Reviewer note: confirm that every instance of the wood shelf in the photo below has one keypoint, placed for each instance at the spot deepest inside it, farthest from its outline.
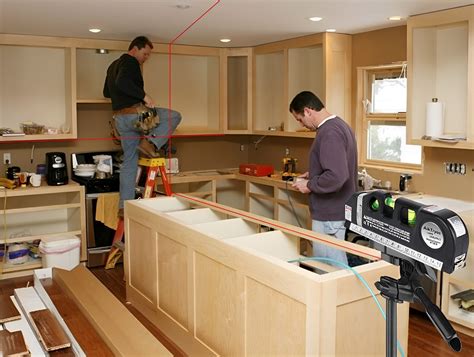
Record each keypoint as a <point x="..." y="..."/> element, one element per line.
<point x="30" y="264"/>
<point x="40" y="208"/>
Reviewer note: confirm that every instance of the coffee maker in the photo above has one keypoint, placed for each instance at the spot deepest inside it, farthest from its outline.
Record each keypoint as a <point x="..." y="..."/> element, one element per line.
<point x="56" y="169"/>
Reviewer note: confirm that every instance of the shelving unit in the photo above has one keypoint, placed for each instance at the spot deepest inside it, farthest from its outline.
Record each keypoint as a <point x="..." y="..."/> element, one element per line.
<point x="91" y="70"/>
<point x="35" y="212"/>
<point x="236" y="89"/>
<point x="277" y="201"/>
<point x="441" y="65"/>
<point x="45" y="74"/>
<point x="194" y="84"/>
<point x="319" y="63"/>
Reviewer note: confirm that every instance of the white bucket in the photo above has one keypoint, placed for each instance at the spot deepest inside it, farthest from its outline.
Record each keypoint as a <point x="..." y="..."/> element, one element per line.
<point x="60" y="251"/>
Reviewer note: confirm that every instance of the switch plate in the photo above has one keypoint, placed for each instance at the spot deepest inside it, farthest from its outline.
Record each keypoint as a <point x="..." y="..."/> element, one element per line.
<point x="7" y="158"/>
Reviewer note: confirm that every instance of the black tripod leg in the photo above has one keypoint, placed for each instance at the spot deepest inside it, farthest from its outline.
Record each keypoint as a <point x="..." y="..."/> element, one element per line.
<point x="391" y="328"/>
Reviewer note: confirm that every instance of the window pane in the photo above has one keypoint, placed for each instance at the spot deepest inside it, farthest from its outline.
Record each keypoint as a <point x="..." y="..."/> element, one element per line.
<point x="387" y="142"/>
<point x="389" y="95"/>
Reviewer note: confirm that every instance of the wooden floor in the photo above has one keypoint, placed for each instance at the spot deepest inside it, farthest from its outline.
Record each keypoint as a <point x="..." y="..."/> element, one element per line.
<point x="423" y="338"/>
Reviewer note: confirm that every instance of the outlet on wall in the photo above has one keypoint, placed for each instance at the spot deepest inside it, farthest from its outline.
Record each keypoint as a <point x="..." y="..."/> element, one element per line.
<point x="242" y="147"/>
<point x="456" y="168"/>
<point x="287" y="151"/>
<point x="7" y="158"/>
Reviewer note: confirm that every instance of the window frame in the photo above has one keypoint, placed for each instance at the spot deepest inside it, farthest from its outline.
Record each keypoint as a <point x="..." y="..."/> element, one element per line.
<point x="363" y="119"/>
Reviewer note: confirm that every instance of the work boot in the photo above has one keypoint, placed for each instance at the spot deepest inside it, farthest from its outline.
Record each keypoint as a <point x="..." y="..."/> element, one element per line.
<point x="147" y="149"/>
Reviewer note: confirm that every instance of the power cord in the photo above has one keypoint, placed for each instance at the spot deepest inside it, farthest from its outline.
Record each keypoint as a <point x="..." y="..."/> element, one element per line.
<point x="291" y="204"/>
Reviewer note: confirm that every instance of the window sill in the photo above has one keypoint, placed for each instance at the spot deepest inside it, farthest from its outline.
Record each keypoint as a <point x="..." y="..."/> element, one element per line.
<point x="394" y="169"/>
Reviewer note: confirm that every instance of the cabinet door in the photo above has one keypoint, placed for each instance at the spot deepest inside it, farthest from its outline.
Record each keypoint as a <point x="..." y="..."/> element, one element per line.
<point x="441" y="65"/>
<point x="42" y="75"/>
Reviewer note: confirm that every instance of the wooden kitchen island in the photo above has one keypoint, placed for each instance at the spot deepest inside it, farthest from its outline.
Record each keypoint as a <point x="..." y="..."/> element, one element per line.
<point x="217" y="280"/>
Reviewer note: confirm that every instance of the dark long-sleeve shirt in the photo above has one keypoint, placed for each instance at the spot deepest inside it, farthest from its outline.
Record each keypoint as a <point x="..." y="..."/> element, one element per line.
<point x="124" y="82"/>
<point x="332" y="170"/>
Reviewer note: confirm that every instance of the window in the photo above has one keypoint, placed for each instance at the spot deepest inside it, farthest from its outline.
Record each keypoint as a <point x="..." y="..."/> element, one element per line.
<point x="382" y="118"/>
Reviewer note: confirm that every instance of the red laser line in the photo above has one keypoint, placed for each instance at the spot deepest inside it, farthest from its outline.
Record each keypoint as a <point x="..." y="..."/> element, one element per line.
<point x="169" y="69"/>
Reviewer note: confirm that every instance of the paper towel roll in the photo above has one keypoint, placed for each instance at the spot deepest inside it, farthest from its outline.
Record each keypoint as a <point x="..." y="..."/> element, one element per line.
<point x="434" y="119"/>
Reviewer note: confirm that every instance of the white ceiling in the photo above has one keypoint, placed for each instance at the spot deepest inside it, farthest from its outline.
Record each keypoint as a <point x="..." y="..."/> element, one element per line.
<point x="246" y="22"/>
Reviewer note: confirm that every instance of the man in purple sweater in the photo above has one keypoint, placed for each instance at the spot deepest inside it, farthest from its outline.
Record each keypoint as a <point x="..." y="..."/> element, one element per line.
<point x="332" y="176"/>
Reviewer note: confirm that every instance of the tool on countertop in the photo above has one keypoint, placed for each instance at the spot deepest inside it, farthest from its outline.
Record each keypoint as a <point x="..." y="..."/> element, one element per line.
<point x="256" y="169"/>
<point x="289" y="169"/>
<point x="418" y="238"/>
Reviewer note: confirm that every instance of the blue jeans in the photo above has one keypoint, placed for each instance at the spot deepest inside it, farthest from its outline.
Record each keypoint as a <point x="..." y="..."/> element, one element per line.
<point x="332" y="228"/>
<point x="130" y="137"/>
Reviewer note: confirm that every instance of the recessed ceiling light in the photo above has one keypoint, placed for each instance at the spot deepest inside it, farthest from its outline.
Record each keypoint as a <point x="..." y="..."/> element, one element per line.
<point x="315" y="18"/>
<point x="95" y="30"/>
<point x="331" y="30"/>
<point x="225" y="40"/>
<point x="395" y="18"/>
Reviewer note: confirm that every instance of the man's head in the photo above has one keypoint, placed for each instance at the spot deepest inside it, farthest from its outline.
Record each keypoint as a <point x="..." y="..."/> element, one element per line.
<point x="140" y="48"/>
<point x="308" y="109"/>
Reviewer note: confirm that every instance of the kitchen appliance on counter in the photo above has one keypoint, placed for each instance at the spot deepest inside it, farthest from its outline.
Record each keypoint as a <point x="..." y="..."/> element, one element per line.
<point x="56" y="169"/>
<point x="98" y="236"/>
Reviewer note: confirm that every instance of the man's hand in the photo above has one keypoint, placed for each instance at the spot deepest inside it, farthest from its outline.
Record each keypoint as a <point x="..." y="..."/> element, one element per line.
<point x="305" y="175"/>
<point x="301" y="184"/>
<point x="149" y="101"/>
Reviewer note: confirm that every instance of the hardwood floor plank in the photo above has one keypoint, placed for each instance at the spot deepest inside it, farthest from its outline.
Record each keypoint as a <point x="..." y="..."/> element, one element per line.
<point x="423" y="338"/>
<point x="12" y="344"/>
<point x="51" y="333"/>
<point x="8" y="311"/>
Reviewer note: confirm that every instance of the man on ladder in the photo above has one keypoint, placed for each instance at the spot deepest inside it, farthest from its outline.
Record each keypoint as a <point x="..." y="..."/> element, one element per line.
<point x="140" y="126"/>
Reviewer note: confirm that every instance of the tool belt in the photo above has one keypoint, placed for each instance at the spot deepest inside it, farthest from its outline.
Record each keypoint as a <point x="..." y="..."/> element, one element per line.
<point x="147" y="117"/>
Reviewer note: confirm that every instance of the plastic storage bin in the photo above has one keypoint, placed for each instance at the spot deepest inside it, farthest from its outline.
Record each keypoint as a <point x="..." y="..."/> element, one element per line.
<point x="60" y="251"/>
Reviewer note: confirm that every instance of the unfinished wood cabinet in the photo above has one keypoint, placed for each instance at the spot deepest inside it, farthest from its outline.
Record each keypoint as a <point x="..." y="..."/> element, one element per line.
<point x="40" y="72"/>
<point x="276" y="199"/>
<point x="191" y="88"/>
<point x="319" y="63"/>
<point x="91" y="71"/>
<point x="441" y="65"/>
<point x="33" y="213"/>
<point x="217" y="282"/>
<point x="236" y="90"/>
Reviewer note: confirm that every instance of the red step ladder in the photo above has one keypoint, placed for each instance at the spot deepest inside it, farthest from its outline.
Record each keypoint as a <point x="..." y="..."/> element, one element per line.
<point x="154" y="165"/>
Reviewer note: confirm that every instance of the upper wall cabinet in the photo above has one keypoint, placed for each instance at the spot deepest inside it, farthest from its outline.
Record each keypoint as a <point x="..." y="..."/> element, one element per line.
<point x="37" y="85"/>
<point x="91" y="71"/>
<point x="441" y="66"/>
<point x="236" y="90"/>
<point x="191" y="87"/>
<point x="319" y="63"/>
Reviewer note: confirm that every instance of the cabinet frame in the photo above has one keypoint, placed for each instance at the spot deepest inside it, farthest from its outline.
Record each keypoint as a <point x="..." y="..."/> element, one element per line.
<point x="74" y="196"/>
<point x="434" y="21"/>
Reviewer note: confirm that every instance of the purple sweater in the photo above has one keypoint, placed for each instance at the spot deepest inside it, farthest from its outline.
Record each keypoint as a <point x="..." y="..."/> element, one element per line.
<point x="332" y="170"/>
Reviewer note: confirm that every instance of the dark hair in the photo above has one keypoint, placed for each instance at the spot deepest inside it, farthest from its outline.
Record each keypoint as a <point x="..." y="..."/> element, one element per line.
<point x="140" y="42"/>
<point x="305" y="99"/>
